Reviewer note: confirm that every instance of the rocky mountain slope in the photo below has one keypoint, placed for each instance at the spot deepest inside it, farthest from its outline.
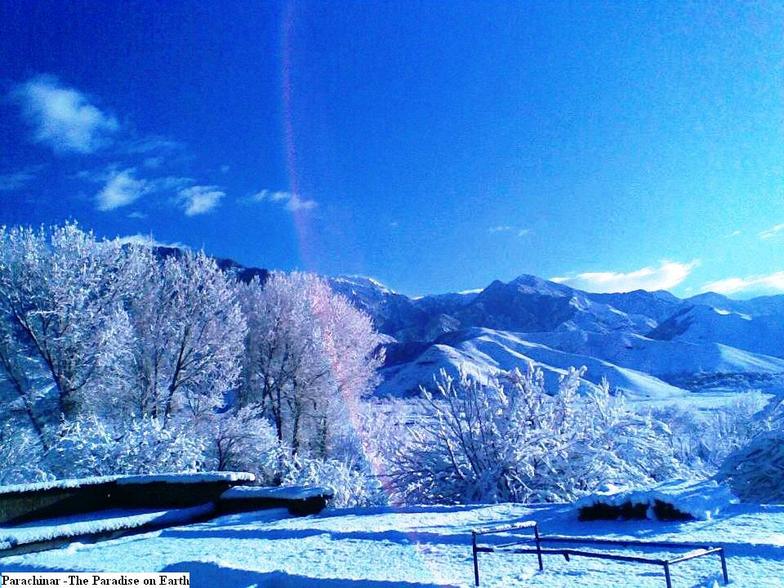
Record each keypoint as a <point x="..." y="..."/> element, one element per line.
<point x="651" y="345"/>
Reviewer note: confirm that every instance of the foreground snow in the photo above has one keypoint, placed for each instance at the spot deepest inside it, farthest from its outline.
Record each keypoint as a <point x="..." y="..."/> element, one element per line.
<point x="419" y="546"/>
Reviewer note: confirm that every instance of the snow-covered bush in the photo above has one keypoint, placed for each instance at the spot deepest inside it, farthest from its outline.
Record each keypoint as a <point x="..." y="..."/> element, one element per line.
<point x="350" y="485"/>
<point x="756" y="472"/>
<point x="241" y="440"/>
<point x="90" y="447"/>
<point x="509" y="440"/>
<point x="605" y="442"/>
<point x="703" y="440"/>
<point x="20" y="457"/>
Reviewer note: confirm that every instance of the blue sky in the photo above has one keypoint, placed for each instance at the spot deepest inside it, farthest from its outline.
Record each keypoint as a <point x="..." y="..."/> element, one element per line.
<point x="435" y="146"/>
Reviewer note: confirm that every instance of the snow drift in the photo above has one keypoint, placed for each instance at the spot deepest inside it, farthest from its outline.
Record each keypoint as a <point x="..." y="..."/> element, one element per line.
<point x="678" y="500"/>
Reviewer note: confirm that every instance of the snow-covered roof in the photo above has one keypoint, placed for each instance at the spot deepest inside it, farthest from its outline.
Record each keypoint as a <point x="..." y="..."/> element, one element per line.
<point x="170" y="478"/>
<point x="194" y="478"/>
<point x="89" y="524"/>
<point x="58" y="484"/>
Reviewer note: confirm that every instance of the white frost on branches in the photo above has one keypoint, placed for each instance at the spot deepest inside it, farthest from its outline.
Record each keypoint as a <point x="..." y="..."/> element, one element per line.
<point x="509" y="440"/>
<point x="310" y="357"/>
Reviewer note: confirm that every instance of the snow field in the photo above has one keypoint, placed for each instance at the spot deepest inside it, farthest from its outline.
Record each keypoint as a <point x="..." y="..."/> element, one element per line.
<point x="423" y="547"/>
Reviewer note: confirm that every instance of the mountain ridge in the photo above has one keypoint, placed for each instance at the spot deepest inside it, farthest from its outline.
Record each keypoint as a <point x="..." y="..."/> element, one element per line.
<point x="649" y="345"/>
<point x="668" y="342"/>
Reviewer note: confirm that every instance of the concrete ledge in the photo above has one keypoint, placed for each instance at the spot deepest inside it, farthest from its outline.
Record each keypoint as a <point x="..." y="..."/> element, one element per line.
<point x="94" y="527"/>
<point x="28" y="502"/>
<point x="299" y="500"/>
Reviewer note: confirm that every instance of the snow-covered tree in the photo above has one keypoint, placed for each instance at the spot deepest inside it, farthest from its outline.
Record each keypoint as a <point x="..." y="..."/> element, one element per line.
<point x="117" y="357"/>
<point x="61" y="313"/>
<point x="188" y="333"/>
<point x="21" y="456"/>
<point x="310" y="357"/>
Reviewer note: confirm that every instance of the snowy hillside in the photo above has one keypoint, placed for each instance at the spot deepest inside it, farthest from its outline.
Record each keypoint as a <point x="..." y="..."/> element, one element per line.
<point x="485" y="352"/>
<point x="703" y="324"/>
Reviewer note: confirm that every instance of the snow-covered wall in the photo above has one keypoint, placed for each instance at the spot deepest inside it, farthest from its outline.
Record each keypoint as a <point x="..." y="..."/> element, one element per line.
<point x="68" y="497"/>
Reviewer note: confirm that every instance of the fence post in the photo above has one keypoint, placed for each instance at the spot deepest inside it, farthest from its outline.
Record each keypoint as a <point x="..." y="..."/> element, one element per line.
<point x="476" y="561"/>
<point x="667" y="574"/>
<point x="724" y="567"/>
<point x="538" y="547"/>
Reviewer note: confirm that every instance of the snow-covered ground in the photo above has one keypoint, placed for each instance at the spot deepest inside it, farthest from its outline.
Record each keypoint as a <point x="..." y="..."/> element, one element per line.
<point x="421" y="546"/>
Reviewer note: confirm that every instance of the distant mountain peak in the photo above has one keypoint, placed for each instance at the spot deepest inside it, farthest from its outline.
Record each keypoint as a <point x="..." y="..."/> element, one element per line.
<point x="364" y="282"/>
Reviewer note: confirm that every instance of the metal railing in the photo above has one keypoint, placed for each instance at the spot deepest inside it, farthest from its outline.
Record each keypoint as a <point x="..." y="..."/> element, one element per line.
<point x="696" y="550"/>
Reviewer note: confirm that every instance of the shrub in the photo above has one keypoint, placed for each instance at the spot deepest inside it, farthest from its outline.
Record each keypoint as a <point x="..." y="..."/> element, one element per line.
<point x="241" y="440"/>
<point x="754" y="472"/>
<point x="351" y="486"/>
<point x="507" y="439"/>
<point x="90" y="447"/>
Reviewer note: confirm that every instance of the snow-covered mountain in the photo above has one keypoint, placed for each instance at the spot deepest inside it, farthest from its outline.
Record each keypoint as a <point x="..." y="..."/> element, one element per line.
<point x="649" y="344"/>
<point x="738" y="328"/>
<point x="485" y="352"/>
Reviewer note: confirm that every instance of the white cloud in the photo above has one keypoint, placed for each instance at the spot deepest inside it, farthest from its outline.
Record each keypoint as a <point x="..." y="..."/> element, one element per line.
<point x="19" y="179"/>
<point x="200" y="199"/>
<point x="296" y="203"/>
<point x="148" y="240"/>
<point x="292" y="202"/>
<point x="170" y="183"/>
<point x="270" y="196"/>
<point x="520" y="232"/>
<point x="121" y="189"/>
<point x="152" y="143"/>
<point x="769" y="282"/>
<point x="664" y="277"/>
<point x="63" y="117"/>
<point x="772" y="231"/>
